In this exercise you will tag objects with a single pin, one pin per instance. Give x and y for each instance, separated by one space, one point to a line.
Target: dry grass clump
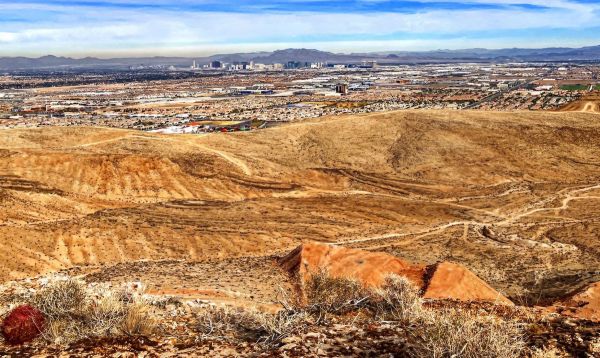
138 320
432 332
459 333
275 327
326 294
61 298
74 311
437 333
225 323
397 300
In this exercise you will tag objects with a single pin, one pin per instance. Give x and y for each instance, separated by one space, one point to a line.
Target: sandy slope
589 103
513 196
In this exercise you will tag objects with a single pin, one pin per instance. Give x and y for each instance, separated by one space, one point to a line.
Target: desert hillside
515 197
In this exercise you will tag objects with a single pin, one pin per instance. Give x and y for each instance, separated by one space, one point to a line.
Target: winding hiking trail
227 156
500 192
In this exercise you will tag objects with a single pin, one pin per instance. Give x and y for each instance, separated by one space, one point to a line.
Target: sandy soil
589 103
515 197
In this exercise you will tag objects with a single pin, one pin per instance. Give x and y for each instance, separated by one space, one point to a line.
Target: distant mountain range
591 53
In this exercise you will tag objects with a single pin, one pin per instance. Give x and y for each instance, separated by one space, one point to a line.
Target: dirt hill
512 196
589 103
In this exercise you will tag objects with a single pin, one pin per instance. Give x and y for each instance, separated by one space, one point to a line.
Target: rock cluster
445 280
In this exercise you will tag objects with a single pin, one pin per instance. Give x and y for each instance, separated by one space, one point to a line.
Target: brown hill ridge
444 281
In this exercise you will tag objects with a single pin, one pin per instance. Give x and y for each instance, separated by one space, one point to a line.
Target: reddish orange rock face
585 304
453 281
444 281
370 268
23 324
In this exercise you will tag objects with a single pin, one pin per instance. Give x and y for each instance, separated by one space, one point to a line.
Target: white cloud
86 30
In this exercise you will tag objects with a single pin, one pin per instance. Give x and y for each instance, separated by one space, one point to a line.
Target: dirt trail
227 156
419 184
589 103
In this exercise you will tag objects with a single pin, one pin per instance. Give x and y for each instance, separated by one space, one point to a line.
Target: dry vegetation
334 317
75 311
431 332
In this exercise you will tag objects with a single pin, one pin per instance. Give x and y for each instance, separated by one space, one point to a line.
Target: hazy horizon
194 28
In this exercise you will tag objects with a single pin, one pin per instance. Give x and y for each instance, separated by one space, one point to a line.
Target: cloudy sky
108 28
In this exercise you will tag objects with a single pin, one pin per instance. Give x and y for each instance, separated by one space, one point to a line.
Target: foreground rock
370 268
443 281
22 325
453 281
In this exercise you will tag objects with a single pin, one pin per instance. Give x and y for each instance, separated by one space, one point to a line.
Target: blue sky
108 28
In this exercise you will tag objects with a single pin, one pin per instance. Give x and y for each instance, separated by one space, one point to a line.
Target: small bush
326 294
23 324
224 323
432 333
105 313
453 333
445 333
398 300
275 327
75 311
137 321
61 299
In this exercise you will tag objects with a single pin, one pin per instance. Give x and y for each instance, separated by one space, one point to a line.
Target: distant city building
215 64
341 88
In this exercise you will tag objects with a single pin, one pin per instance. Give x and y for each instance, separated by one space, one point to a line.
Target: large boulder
23 324
444 281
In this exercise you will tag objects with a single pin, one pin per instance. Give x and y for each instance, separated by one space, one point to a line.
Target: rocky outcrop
370 268
444 281
453 281
584 304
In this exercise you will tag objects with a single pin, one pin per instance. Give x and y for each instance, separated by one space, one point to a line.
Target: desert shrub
75 311
23 324
436 333
455 333
225 323
64 330
398 300
61 299
275 327
326 294
106 312
138 321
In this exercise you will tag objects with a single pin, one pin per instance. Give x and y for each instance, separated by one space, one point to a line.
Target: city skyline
204 27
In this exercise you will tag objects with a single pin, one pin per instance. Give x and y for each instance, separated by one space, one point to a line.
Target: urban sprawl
243 96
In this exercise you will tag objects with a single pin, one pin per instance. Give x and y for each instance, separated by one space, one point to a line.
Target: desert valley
513 197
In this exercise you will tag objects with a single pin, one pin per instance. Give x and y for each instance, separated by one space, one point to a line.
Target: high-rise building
215 64
341 88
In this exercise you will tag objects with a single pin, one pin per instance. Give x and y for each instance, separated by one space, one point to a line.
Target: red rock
370 268
456 282
442 281
585 304
23 324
